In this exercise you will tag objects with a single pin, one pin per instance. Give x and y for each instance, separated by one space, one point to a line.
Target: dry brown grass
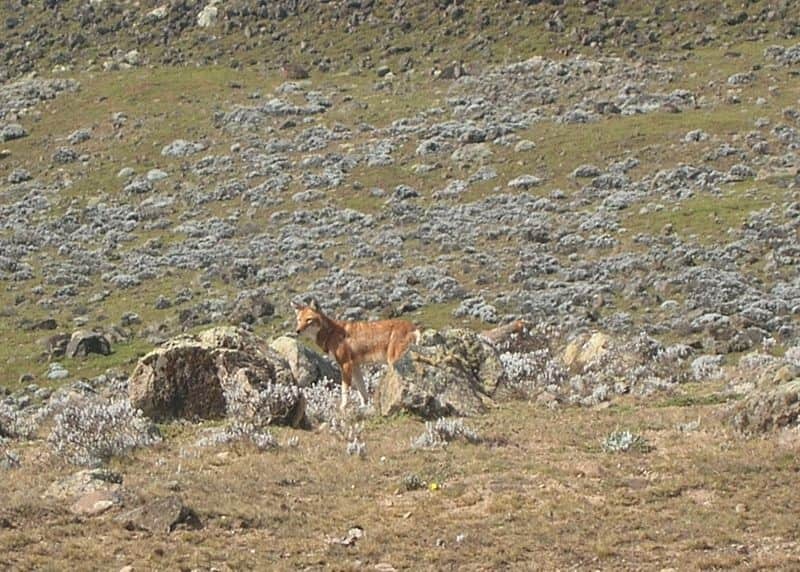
541 495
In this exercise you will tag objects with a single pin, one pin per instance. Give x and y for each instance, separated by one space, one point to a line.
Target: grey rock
740 172
767 410
162 303
404 192
56 371
182 148
472 154
742 78
83 343
154 175
308 367
453 372
161 516
695 135
83 482
251 307
79 136
138 187
525 182
585 172
189 377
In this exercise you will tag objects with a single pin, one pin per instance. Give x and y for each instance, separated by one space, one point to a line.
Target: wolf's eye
309 320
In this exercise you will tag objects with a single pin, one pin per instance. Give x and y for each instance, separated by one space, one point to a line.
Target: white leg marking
345 395
359 381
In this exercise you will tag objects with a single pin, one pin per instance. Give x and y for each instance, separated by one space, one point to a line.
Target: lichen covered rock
189 377
453 372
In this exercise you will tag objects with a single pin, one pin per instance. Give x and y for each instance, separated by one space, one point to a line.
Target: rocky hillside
615 184
362 35
630 194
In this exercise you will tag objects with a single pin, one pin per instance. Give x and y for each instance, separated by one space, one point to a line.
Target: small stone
133 58
95 502
79 136
525 182
57 371
138 187
208 15
524 145
182 148
162 303
129 319
154 175
161 516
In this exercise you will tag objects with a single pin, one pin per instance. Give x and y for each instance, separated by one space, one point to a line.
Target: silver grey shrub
443 431
625 441
8 459
324 397
322 401
529 372
355 444
412 482
707 367
239 431
261 406
91 431
14 423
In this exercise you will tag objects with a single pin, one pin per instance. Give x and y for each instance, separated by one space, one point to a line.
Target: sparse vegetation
444 431
625 441
87 432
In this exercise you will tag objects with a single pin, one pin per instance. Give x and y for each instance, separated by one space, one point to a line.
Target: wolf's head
309 319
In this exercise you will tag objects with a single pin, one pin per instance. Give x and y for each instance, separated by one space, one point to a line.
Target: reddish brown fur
354 343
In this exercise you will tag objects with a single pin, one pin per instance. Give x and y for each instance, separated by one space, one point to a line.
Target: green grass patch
708 217
687 400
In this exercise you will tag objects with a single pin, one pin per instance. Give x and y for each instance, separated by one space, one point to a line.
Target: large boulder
453 372
161 516
251 307
194 376
768 410
83 343
585 350
308 367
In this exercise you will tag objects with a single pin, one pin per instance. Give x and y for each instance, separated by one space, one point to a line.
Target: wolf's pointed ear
313 304
297 306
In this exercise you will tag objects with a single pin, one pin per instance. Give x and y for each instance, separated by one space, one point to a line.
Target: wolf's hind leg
347 372
358 379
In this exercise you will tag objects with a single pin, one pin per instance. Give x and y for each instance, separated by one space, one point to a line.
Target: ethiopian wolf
352 344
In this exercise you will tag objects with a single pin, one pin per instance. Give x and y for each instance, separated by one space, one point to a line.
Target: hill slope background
630 168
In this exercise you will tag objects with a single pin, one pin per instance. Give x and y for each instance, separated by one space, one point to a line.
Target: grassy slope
168 103
546 496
